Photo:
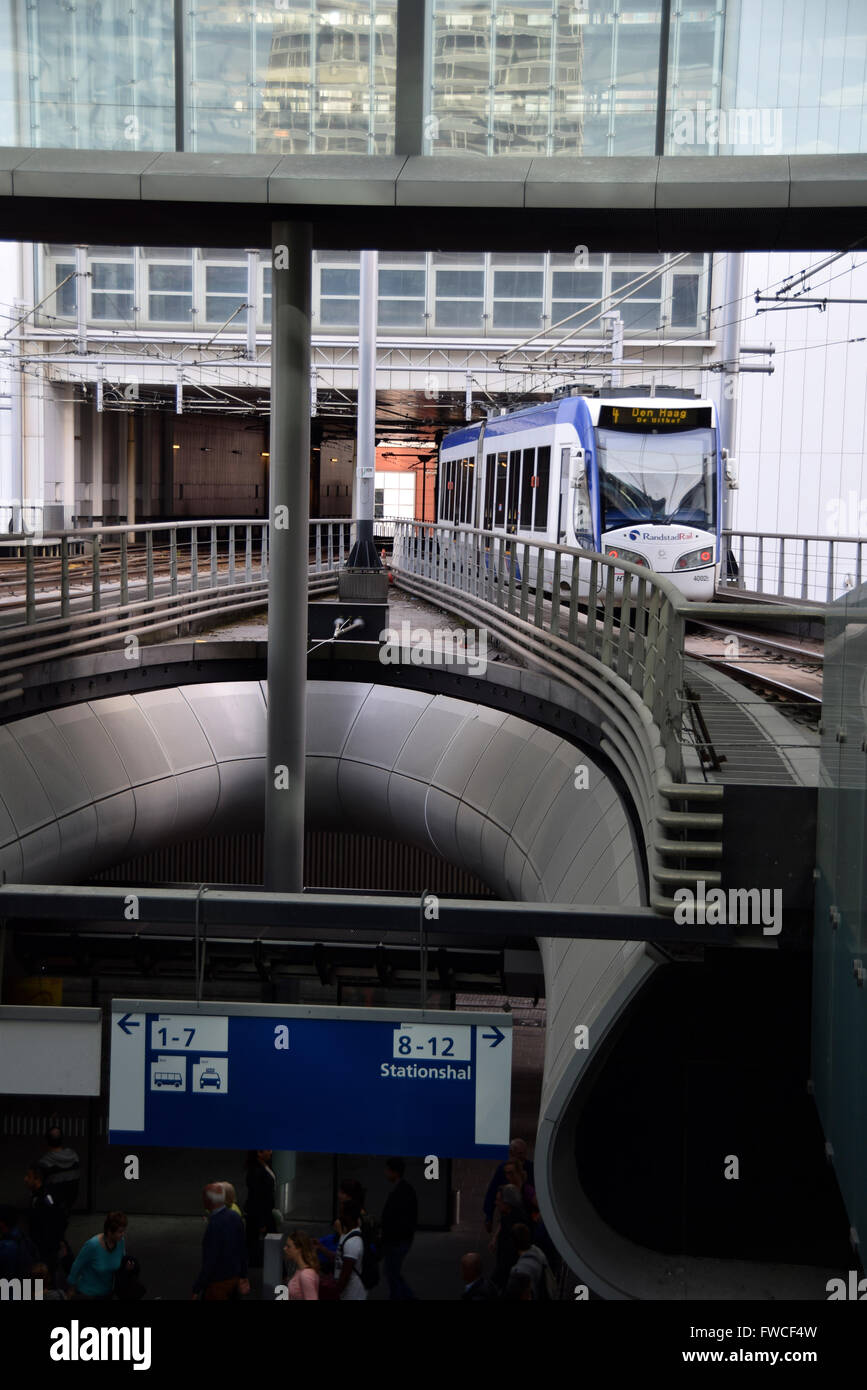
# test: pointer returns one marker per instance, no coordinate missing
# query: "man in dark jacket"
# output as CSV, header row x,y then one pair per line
x,y
399,1220
477,1289
224,1251
61,1171
47,1217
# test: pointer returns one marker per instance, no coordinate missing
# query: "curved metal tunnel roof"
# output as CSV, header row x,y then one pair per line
x,y
86,786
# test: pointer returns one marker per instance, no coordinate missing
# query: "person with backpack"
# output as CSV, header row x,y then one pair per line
x,y
349,1255
531,1264
61,1171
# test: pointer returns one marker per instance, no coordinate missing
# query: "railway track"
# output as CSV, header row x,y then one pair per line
x,y
775,663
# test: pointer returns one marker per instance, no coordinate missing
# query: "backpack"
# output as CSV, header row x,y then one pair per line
x,y
368,1271
547,1283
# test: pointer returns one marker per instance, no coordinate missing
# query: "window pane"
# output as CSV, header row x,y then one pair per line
x,y
401,313
171,308
524,284
219,308
465,284
410,282
578,284
332,311
341,281
111,275
65,299
112,306
517,314
684,300
459,313
222,278
621,278
171,277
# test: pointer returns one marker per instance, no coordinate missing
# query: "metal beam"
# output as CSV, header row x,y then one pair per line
x,y
241,913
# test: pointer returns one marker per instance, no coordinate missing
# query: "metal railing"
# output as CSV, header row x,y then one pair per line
x,y
815,569
137,582
627,665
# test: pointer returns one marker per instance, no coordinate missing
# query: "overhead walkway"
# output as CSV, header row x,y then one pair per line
x,y
352,201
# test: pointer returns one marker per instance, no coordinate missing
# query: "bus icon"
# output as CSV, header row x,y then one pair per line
x,y
168,1078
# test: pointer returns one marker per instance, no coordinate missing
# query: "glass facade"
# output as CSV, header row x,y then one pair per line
x,y
445,294
840,938
519,77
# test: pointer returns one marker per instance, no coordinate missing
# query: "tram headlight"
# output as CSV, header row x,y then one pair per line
x,y
695,559
632,557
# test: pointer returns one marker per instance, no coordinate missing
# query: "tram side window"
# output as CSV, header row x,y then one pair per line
x,y
502,471
490,475
467,516
460,485
449,508
514,479
543,475
529,460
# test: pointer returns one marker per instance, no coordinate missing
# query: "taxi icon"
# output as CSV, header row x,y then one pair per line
x,y
210,1077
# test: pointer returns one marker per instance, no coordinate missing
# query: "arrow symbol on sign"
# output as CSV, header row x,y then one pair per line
x,y
125,1023
498,1036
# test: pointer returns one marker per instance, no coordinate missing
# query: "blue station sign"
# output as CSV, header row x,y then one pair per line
x,y
317,1080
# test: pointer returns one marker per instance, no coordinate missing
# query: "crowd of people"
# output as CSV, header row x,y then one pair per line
x,y
345,1264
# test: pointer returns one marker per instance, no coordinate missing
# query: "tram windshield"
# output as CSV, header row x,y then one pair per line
x,y
663,478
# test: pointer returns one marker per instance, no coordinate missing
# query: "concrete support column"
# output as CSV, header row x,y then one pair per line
x,y
288,510
363,554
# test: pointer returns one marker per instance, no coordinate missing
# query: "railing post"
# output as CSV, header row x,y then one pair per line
x,y
760,561
781,568
640,636
830,593
555,596
608,620
150,562
805,569
573,603
540,587
858,545
592,614
94,575
318,548
231,553
64,576
525,582
124,567
29,583
194,558
248,553
624,630
213,557
173,559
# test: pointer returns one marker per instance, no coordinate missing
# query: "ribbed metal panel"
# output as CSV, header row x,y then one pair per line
x,y
366,863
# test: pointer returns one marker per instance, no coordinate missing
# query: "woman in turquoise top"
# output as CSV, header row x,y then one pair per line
x,y
98,1260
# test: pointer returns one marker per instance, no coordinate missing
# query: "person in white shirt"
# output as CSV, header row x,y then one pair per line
x,y
349,1254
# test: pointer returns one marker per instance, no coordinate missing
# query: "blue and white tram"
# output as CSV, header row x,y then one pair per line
x,y
631,476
